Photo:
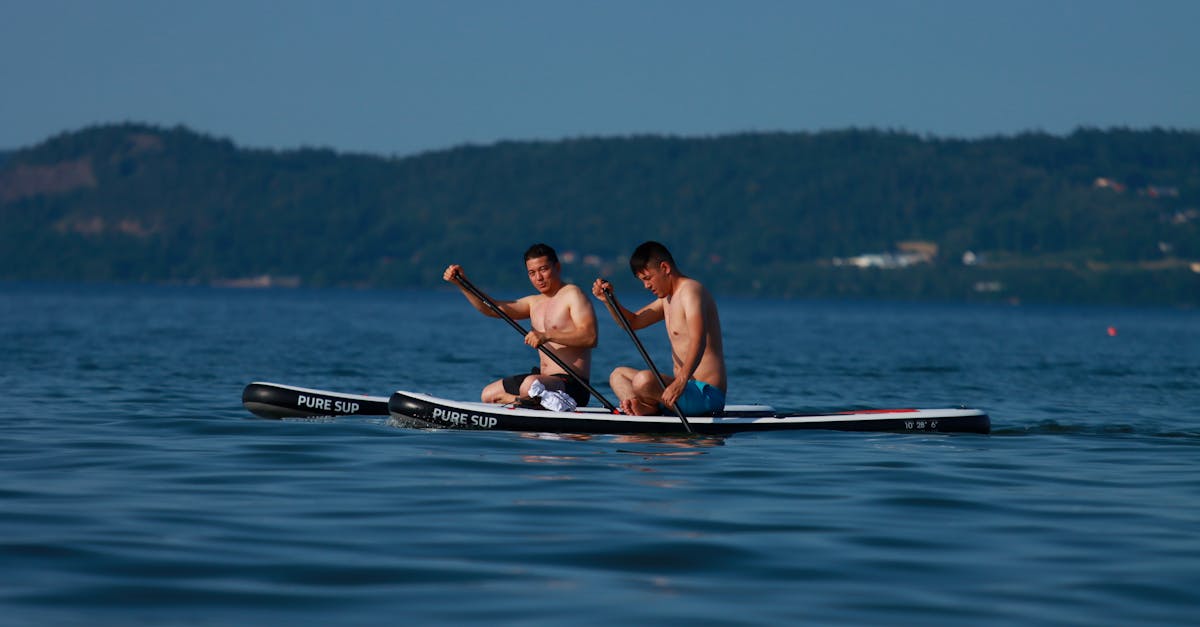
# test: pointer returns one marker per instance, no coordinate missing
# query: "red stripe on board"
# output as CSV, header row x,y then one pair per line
x,y
877,411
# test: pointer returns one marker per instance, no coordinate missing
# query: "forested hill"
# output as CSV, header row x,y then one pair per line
x,y
1096,216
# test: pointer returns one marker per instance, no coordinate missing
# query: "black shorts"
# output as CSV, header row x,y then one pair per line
x,y
574,389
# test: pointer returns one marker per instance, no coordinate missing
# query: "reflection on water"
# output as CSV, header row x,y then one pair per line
x,y
686,442
548,459
683,441
579,437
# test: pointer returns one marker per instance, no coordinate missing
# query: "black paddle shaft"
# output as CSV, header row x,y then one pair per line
x,y
545,349
615,307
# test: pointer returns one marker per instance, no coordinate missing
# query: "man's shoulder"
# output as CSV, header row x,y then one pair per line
x,y
570,291
692,287
691,294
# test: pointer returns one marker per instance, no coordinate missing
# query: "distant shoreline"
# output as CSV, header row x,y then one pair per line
x,y
1100,216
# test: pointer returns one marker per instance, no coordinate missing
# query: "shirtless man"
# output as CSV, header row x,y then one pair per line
x,y
694,328
561,317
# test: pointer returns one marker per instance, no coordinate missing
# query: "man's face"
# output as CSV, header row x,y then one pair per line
x,y
655,277
543,274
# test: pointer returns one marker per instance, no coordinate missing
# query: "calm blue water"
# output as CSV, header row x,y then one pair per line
x,y
134,488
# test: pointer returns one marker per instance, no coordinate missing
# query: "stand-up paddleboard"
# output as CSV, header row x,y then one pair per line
x,y
423,410
272,400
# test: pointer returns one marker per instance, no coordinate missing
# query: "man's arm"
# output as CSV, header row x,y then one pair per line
x,y
516,309
642,318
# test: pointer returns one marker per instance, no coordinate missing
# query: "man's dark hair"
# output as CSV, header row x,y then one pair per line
x,y
648,254
541,250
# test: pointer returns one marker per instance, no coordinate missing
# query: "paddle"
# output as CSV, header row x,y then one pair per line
x,y
462,280
610,299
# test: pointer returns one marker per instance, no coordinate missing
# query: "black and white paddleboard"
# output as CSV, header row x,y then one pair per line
x,y
272,400
429,411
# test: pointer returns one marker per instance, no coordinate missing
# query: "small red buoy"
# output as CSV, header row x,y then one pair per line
x,y
1112,331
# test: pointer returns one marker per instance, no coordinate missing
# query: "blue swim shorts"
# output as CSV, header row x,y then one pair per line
x,y
700,398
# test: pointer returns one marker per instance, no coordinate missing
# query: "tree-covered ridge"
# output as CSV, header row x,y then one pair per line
x,y
1096,215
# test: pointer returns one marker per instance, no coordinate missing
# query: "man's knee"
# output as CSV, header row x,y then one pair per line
x,y
621,374
492,392
646,384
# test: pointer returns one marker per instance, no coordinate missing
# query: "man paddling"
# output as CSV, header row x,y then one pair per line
x,y
561,317
698,385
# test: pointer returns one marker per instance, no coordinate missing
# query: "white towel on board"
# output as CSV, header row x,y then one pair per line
x,y
554,400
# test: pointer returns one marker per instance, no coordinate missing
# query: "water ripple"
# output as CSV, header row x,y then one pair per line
x,y
136,489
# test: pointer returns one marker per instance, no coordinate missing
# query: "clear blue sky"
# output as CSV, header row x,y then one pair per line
x,y
393,77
